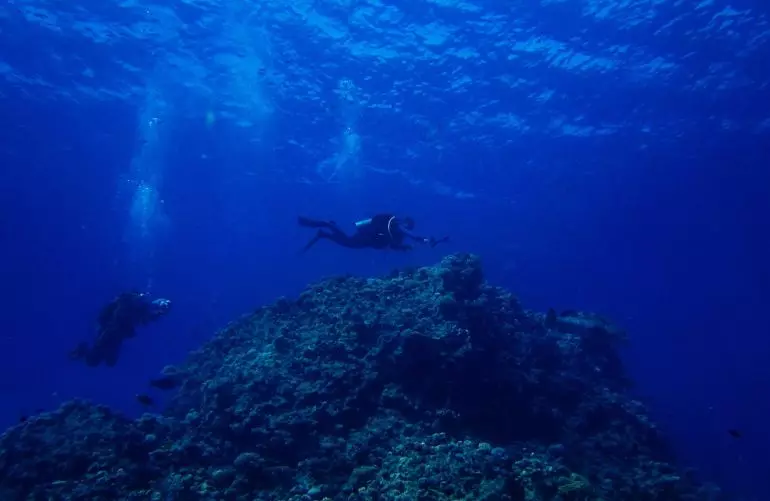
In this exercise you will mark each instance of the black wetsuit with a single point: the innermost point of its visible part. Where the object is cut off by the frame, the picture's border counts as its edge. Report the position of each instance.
(118, 321)
(382, 231)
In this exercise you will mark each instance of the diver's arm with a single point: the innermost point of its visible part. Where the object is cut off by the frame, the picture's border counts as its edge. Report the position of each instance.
(416, 238)
(425, 240)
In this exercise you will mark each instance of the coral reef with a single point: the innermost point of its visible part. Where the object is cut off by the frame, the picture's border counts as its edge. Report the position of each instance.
(425, 385)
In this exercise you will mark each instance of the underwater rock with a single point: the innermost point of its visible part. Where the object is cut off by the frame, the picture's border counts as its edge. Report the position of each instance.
(428, 384)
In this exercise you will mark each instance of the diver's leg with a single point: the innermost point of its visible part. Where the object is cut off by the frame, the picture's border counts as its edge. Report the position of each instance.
(339, 237)
(318, 236)
(81, 351)
(111, 352)
(356, 241)
(91, 356)
(101, 346)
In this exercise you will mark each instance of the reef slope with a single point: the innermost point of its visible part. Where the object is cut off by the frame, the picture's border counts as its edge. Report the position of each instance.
(428, 384)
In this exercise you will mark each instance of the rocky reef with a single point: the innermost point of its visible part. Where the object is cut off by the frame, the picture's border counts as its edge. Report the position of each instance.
(424, 385)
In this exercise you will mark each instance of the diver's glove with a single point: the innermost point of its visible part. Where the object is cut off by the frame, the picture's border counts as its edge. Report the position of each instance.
(160, 307)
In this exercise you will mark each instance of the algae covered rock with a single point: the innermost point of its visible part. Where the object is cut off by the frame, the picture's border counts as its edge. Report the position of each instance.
(427, 384)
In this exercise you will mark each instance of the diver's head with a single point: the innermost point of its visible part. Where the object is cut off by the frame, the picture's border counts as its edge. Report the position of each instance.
(407, 223)
(160, 307)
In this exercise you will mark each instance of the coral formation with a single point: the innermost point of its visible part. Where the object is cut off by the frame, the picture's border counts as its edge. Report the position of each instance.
(425, 385)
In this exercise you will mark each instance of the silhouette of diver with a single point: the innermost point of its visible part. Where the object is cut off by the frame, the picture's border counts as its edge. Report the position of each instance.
(118, 321)
(381, 231)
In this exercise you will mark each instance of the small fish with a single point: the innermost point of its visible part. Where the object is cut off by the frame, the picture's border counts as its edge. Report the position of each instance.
(145, 400)
(735, 433)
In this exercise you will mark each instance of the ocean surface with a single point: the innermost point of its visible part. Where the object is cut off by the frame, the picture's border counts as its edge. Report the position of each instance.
(612, 156)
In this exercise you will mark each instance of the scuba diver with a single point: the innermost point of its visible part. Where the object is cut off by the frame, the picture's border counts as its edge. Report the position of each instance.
(382, 231)
(117, 321)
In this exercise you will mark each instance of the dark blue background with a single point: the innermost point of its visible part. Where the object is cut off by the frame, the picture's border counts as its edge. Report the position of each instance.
(671, 242)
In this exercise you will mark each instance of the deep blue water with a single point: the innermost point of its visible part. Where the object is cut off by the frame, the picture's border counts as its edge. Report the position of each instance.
(642, 197)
